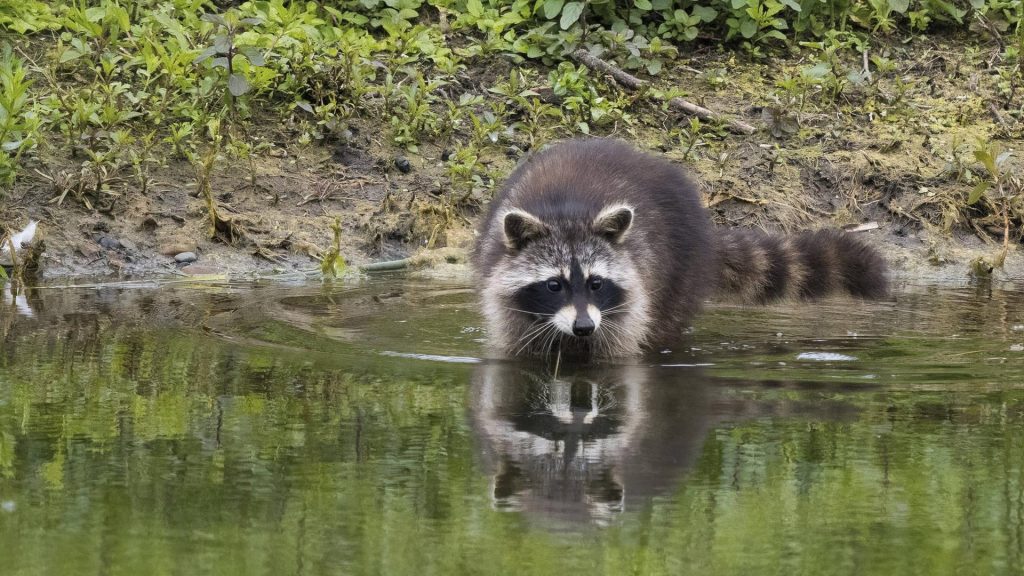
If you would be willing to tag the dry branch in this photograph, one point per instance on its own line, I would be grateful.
(631, 82)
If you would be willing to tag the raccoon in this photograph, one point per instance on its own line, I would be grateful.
(596, 249)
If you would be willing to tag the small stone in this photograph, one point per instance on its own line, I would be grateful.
(177, 247)
(89, 250)
(445, 155)
(128, 244)
(403, 165)
(108, 242)
(185, 257)
(1016, 347)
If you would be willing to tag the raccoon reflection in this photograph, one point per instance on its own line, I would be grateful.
(596, 249)
(580, 448)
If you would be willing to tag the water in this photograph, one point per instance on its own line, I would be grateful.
(360, 430)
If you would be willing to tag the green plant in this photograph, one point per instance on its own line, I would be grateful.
(1001, 187)
(26, 16)
(333, 263)
(225, 51)
(691, 137)
(18, 123)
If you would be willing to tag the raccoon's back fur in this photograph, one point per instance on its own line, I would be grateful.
(598, 249)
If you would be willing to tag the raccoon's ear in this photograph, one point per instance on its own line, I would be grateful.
(613, 222)
(521, 228)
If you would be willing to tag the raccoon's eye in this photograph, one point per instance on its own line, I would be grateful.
(554, 285)
(595, 283)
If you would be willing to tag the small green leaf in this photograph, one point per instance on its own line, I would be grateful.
(570, 14)
(69, 55)
(95, 14)
(205, 54)
(254, 55)
(475, 8)
(553, 8)
(985, 157)
(705, 13)
(238, 85)
(644, 5)
(748, 28)
(214, 18)
(978, 191)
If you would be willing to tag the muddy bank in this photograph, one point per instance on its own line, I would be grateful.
(384, 217)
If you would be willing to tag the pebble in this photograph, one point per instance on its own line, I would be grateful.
(186, 257)
(173, 248)
(403, 165)
(89, 250)
(109, 243)
(1016, 347)
(128, 244)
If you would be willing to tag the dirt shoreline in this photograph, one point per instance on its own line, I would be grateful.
(283, 234)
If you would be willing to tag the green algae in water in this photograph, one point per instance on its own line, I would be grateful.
(227, 430)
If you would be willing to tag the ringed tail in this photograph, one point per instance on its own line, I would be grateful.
(762, 268)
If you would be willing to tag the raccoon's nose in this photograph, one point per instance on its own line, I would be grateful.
(583, 326)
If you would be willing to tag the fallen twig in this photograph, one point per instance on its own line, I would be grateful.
(862, 227)
(631, 82)
(387, 266)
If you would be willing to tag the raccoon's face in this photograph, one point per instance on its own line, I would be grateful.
(569, 277)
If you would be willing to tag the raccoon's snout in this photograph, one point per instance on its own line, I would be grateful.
(583, 326)
(581, 321)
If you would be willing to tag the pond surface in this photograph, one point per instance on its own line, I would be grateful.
(358, 430)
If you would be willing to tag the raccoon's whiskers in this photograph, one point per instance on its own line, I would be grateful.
(614, 338)
(551, 341)
(541, 314)
(617, 308)
(533, 335)
(528, 335)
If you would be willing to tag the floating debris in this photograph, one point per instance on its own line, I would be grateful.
(434, 357)
(825, 357)
(20, 240)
